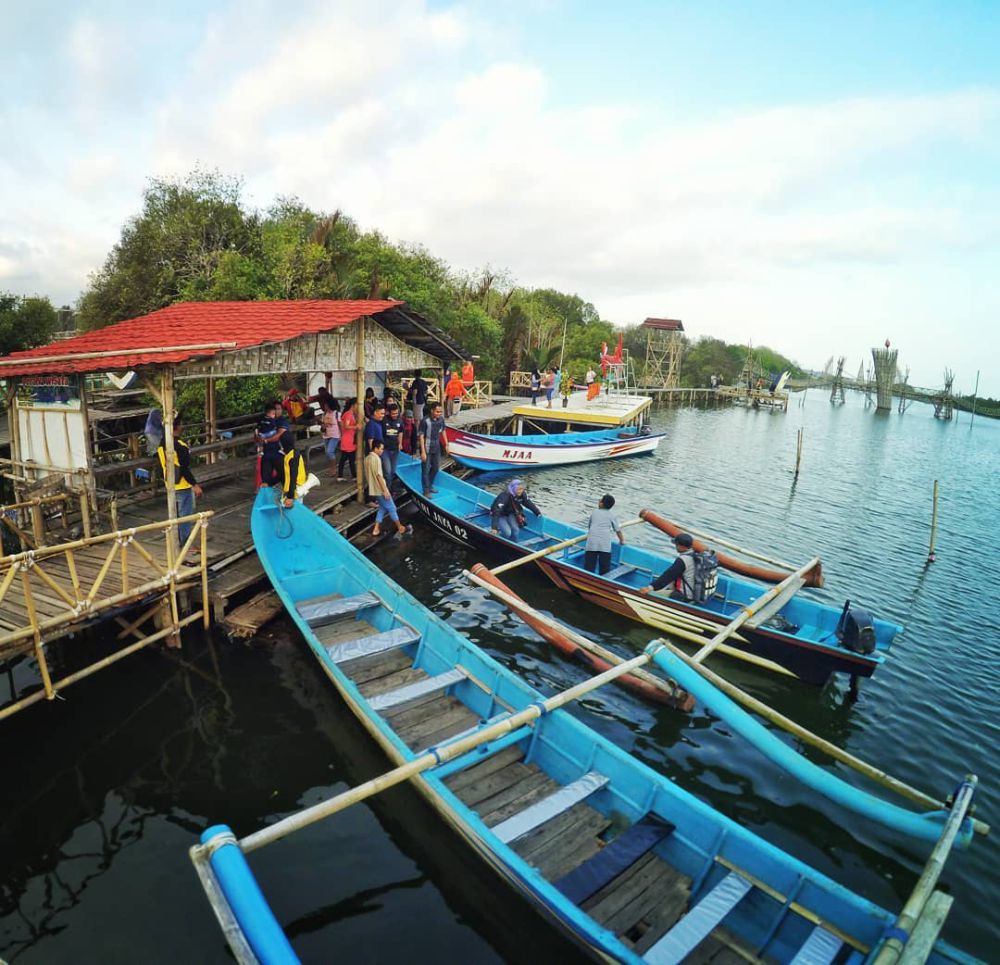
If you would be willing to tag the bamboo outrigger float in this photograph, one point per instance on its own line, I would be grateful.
(615, 855)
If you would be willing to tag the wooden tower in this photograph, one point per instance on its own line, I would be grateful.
(885, 375)
(837, 392)
(662, 368)
(944, 404)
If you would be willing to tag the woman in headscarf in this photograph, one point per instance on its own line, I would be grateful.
(507, 511)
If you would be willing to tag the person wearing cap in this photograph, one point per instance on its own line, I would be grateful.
(597, 551)
(507, 511)
(392, 433)
(680, 573)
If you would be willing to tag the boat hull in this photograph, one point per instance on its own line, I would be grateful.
(810, 661)
(492, 453)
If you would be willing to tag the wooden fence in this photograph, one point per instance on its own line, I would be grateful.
(51, 591)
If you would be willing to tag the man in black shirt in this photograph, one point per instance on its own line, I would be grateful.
(680, 573)
(417, 394)
(392, 433)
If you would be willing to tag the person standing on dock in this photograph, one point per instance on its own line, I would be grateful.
(680, 573)
(379, 488)
(294, 472)
(536, 385)
(468, 374)
(549, 384)
(373, 427)
(392, 433)
(348, 440)
(330, 420)
(431, 442)
(416, 395)
(507, 511)
(453, 393)
(597, 551)
(186, 487)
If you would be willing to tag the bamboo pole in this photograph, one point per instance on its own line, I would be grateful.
(515, 604)
(85, 512)
(29, 605)
(93, 668)
(210, 418)
(538, 554)
(798, 453)
(73, 576)
(404, 772)
(77, 356)
(203, 525)
(37, 524)
(931, 557)
(169, 473)
(748, 611)
(893, 947)
(359, 391)
(797, 730)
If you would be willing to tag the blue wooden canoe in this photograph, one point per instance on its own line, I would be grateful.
(800, 638)
(489, 452)
(622, 860)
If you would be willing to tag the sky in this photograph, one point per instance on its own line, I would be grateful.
(816, 177)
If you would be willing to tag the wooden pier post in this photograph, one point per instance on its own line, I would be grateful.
(930, 552)
(798, 453)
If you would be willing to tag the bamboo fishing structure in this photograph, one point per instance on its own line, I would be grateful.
(798, 452)
(934, 514)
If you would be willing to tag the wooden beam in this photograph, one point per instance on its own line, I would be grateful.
(167, 396)
(359, 388)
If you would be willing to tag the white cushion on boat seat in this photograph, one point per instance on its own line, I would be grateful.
(820, 948)
(548, 807)
(421, 688)
(619, 571)
(369, 646)
(699, 922)
(320, 610)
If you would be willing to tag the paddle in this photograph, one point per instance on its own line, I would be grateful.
(310, 815)
(538, 554)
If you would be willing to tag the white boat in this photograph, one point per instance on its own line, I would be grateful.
(538, 451)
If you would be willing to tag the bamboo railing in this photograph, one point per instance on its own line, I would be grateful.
(52, 590)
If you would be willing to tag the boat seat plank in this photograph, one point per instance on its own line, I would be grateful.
(820, 948)
(721, 949)
(460, 780)
(516, 798)
(768, 610)
(639, 891)
(535, 540)
(419, 688)
(627, 848)
(579, 819)
(454, 727)
(483, 511)
(576, 845)
(444, 713)
(372, 644)
(405, 718)
(617, 572)
(393, 680)
(549, 807)
(320, 610)
(367, 670)
(696, 925)
(347, 629)
(494, 782)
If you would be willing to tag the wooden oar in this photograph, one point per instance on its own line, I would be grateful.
(669, 689)
(837, 753)
(310, 815)
(748, 611)
(531, 557)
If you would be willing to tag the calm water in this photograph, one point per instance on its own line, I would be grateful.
(102, 794)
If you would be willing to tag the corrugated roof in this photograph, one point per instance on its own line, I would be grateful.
(198, 329)
(666, 324)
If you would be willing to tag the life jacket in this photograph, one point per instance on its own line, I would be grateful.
(294, 466)
(179, 481)
(700, 577)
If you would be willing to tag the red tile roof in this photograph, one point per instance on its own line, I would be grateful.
(666, 324)
(196, 329)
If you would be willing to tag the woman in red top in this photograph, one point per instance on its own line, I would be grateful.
(348, 440)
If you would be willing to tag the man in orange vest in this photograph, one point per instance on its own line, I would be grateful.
(468, 374)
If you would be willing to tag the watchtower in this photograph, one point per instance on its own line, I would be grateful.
(885, 375)
(944, 404)
(837, 392)
(662, 368)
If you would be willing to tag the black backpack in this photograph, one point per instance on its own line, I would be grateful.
(706, 576)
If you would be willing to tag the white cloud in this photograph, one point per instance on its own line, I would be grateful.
(418, 122)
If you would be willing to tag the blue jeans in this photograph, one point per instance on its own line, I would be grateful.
(389, 459)
(429, 469)
(508, 527)
(185, 507)
(386, 507)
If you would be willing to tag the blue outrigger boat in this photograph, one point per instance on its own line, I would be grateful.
(617, 856)
(793, 636)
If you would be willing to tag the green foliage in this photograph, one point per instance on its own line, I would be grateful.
(25, 322)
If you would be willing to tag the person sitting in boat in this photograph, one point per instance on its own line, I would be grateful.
(597, 555)
(680, 573)
(507, 511)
